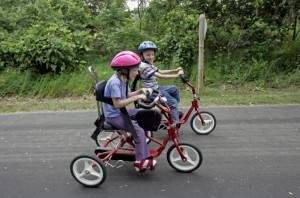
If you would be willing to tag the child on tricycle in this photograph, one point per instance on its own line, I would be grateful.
(149, 72)
(128, 139)
(202, 122)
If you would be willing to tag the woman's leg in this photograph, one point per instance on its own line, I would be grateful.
(141, 147)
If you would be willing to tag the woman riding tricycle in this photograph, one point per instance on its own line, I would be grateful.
(128, 139)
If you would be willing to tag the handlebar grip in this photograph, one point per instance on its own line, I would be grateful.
(93, 73)
(183, 78)
(145, 104)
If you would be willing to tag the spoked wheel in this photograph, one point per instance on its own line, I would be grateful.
(209, 125)
(193, 158)
(105, 136)
(88, 171)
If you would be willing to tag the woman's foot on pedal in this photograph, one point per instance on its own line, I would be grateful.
(146, 164)
(138, 166)
(152, 163)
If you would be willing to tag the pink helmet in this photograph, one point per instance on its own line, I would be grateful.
(125, 60)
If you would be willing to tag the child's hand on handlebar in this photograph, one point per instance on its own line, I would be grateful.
(179, 68)
(180, 72)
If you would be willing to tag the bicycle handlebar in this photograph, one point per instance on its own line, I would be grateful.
(93, 74)
(145, 104)
(159, 101)
(185, 80)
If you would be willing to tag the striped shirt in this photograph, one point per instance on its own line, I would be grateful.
(147, 76)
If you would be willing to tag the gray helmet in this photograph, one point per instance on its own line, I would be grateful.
(146, 45)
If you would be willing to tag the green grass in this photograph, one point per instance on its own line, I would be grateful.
(252, 96)
(23, 91)
(211, 97)
(25, 84)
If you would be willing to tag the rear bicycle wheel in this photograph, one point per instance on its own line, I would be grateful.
(88, 171)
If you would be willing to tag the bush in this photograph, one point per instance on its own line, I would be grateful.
(287, 57)
(45, 48)
(46, 36)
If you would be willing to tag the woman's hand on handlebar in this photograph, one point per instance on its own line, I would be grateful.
(147, 91)
(145, 102)
(141, 97)
(141, 101)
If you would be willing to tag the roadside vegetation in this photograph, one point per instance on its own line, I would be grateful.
(252, 49)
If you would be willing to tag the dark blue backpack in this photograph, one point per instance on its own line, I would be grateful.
(99, 93)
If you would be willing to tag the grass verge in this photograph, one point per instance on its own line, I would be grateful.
(212, 96)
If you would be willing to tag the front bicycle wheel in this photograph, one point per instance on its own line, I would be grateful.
(193, 158)
(88, 170)
(205, 128)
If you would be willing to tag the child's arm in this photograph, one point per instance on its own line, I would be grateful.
(134, 93)
(141, 91)
(170, 71)
(119, 103)
(158, 74)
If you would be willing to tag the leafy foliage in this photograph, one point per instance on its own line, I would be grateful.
(247, 30)
(246, 41)
(45, 36)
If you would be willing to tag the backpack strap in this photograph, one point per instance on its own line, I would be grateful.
(128, 122)
(134, 83)
(133, 88)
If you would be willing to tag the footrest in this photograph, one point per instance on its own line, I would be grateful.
(101, 150)
(119, 155)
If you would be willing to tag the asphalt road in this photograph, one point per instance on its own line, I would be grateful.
(254, 152)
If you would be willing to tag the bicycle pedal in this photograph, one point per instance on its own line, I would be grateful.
(162, 127)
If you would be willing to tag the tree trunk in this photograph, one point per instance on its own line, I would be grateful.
(295, 21)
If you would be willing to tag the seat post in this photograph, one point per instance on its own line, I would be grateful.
(99, 108)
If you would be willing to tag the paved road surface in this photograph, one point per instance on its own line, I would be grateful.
(254, 152)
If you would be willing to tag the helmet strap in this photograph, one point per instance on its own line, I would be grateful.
(127, 74)
(127, 77)
(124, 72)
